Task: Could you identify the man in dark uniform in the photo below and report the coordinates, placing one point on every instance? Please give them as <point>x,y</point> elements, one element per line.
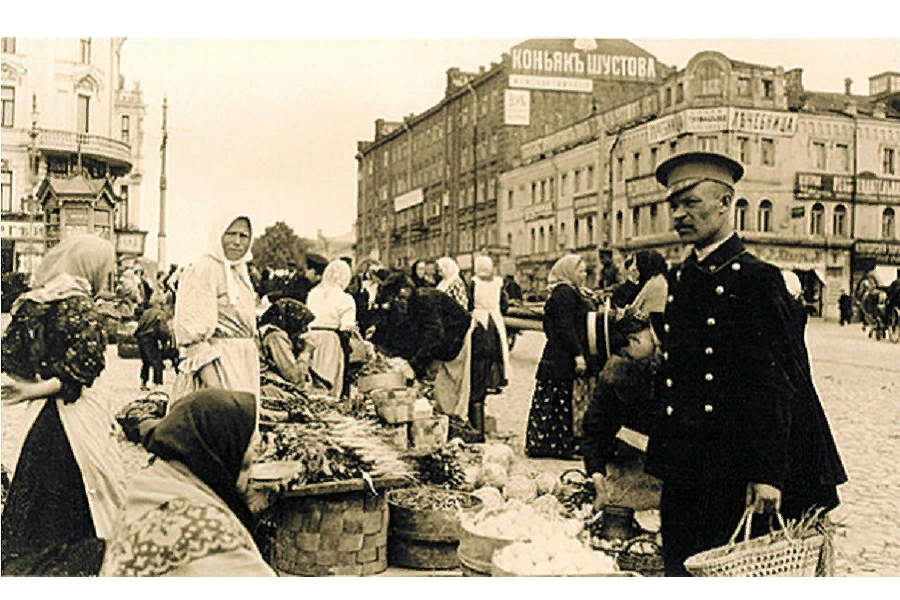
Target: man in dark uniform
<point>739,422</point>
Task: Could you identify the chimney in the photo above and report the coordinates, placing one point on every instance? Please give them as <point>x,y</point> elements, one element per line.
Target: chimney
<point>850,107</point>
<point>879,111</point>
<point>848,84</point>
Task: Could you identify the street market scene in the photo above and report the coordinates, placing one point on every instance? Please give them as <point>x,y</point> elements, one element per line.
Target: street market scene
<point>600,307</point>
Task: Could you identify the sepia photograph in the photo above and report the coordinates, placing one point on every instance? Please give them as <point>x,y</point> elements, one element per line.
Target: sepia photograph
<point>386,300</point>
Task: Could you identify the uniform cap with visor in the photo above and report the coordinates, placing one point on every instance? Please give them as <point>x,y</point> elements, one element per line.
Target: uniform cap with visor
<point>683,171</point>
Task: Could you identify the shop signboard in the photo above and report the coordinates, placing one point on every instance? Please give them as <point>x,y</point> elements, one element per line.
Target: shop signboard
<point>19,230</point>
<point>517,107</point>
<point>130,242</point>
<point>798,212</point>
<point>642,186</point>
<point>884,252</point>
<point>591,59</point>
<point>764,122</point>
<point>559,84</point>
<point>408,199</point>
<point>826,186</point>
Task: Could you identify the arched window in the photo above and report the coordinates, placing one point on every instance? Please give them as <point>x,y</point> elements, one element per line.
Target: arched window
<point>888,227</point>
<point>708,78</point>
<point>551,239</point>
<point>839,222</point>
<point>575,239</point>
<point>620,226</point>
<point>542,242</point>
<point>816,216</point>
<point>636,221</point>
<point>740,214</point>
<point>509,241</point>
<point>764,218</point>
<point>533,242</point>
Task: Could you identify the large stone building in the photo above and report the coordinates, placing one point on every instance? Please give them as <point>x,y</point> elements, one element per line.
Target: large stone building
<point>820,194</point>
<point>428,186</point>
<point>71,147</point>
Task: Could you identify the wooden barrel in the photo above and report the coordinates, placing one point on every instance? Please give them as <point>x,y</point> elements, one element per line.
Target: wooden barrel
<point>476,552</point>
<point>425,539</point>
<point>332,534</point>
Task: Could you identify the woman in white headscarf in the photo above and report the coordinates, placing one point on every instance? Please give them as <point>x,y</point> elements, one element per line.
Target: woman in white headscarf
<point>215,315</point>
<point>67,485</point>
<point>335,315</point>
<point>549,433</point>
<point>451,283</point>
<point>488,303</point>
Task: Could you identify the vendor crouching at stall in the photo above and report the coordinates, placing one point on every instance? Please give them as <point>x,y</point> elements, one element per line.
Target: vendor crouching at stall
<point>434,333</point>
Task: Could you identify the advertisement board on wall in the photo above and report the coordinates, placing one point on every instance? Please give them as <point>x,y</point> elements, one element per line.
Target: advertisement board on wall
<point>829,186</point>
<point>517,107</point>
<point>559,84</point>
<point>408,199</point>
<point>592,59</point>
<point>694,120</point>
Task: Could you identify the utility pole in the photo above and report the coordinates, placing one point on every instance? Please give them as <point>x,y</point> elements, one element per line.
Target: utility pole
<point>34,164</point>
<point>474,171</point>
<point>161,236</point>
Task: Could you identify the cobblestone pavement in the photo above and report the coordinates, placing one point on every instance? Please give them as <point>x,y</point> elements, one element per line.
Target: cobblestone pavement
<point>858,380</point>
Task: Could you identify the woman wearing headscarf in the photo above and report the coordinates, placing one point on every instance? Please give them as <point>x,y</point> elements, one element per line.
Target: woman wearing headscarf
<point>651,269</point>
<point>549,432</point>
<point>186,513</point>
<point>67,486</point>
<point>215,315</point>
<point>451,283</point>
<point>335,319</point>
<point>281,329</point>
<point>421,274</point>
<point>488,303</point>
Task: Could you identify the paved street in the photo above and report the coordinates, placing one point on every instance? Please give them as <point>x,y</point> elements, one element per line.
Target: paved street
<point>858,379</point>
<point>859,382</point>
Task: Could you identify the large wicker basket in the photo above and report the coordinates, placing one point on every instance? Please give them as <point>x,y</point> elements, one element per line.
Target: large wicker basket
<point>770,555</point>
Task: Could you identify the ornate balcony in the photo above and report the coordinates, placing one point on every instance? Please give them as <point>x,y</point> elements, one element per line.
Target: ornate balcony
<point>116,152</point>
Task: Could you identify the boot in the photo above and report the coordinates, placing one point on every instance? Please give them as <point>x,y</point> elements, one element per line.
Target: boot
<point>476,419</point>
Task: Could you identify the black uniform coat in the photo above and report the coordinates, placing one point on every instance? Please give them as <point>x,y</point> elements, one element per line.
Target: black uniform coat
<point>737,402</point>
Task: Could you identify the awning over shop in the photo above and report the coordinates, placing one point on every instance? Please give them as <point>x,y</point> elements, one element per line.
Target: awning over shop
<point>820,274</point>
<point>885,274</point>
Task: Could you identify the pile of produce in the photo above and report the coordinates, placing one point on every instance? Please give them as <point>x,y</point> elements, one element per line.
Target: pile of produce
<point>516,520</point>
<point>444,467</point>
<point>553,555</point>
<point>336,448</point>
<point>432,499</point>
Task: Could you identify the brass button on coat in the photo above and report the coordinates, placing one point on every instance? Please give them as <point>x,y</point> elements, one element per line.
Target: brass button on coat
<point>720,290</point>
<point>710,321</point>
<point>708,377</point>
<point>708,350</point>
<point>708,408</point>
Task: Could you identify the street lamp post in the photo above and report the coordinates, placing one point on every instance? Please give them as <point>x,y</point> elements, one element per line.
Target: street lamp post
<point>474,170</point>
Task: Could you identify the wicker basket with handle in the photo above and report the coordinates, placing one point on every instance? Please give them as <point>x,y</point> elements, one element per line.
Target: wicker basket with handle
<point>772,555</point>
<point>649,563</point>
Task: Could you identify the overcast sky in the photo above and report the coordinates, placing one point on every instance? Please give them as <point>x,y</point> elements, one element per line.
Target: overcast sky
<point>270,126</point>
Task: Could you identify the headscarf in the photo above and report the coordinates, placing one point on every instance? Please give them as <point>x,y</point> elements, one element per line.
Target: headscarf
<point>289,315</point>
<point>565,270</point>
<point>78,266</point>
<point>337,274</point>
<point>234,269</point>
<point>484,267</point>
<point>209,432</point>
<point>418,280</point>
<point>449,273</point>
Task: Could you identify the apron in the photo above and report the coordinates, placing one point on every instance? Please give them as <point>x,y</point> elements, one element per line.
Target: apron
<point>452,384</point>
<point>486,301</point>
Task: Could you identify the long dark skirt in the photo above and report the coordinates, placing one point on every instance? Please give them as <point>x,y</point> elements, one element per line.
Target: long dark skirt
<point>497,378</point>
<point>549,433</point>
<point>47,506</point>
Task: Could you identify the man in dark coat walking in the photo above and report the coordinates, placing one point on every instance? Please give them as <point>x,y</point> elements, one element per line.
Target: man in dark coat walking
<point>845,304</point>
<point>740,423</point>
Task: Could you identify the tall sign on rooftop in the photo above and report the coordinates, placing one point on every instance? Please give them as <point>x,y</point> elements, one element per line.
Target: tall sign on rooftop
<point>575,64</point>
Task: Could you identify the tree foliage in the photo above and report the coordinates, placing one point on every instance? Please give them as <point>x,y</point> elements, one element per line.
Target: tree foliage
<point>278,247</point>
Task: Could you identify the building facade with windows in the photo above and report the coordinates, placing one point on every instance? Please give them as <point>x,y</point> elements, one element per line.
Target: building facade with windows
<point>819,194</point>
<point>72,133</point>
<point>429,184</point>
